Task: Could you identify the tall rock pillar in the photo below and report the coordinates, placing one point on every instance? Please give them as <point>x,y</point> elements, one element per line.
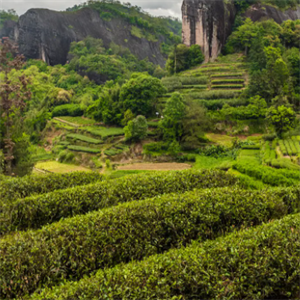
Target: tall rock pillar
<point>207,23</point>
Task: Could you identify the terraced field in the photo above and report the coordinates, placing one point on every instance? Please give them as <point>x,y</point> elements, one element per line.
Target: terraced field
<point>212,84</point>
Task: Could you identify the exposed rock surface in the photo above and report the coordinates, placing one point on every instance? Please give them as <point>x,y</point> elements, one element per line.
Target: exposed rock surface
<point>264,12</point>
<point>207,23</point>
<point>45,34</point>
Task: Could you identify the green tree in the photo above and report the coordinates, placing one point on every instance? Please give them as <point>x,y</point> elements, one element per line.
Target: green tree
<point>128,116</point>
<point>140,94</point>
<point>194,124</point>
<point>183,58</point>
<point>173,116</point>
<point>136,129</point>
<point>283,118</point>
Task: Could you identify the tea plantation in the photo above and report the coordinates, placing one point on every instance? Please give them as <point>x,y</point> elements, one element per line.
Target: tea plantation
<point>206,234</point>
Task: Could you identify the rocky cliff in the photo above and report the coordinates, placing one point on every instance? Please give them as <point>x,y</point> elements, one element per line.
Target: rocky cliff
<point>45,34</point>
<point>208,23</point>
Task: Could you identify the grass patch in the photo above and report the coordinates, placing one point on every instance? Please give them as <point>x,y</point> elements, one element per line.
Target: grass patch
<point>56,167</point>
<point>83,138</point>
<point>83,149</point>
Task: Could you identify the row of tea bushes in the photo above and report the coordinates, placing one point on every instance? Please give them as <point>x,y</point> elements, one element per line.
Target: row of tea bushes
<point>268,175</point>
<point>36,211</point>
<point>257,263</point>
<point>78,246</point>
<point>14,188</point>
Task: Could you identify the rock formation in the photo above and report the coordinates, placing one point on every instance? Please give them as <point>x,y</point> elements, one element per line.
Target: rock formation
<point>45,34</point>
<point>207,23</point>
<point>260,12</point>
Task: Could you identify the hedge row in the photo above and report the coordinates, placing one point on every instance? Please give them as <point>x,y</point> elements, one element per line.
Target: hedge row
<point>83,138</point>
<point>34,212</point>
<point>213,95</point>
<point>257,263</point>
<point>14,188</point>
<point>83,149</point>
<point>220,81</point>
<point>228,86</point>
<point>219,103</point>
<point>72,110</point>
<point>227,75</point>
<point>81,245</point>
<point>284,163</point>
<point>200,87</point>
<point>268,175</point>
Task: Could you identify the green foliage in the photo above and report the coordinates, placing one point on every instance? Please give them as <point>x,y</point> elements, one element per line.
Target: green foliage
<point>284,163</point>
<point>90,57</point>
<point>140,94</point>
<point>34,212</point>
<point>7,15</point>
<point>66,157</point>
<point>83,138</point>
<point>173,116</point>
<point>12,189</point>
<point>83,149</point>
<point>175,216</point>
<point>203,269</point>
<point>73,110</point>
<point>128,116</point>
<point>227,86</point>
<point>255,110</point>
<point>136,129</point>
<point>283,118</point>
<point>184,57</point>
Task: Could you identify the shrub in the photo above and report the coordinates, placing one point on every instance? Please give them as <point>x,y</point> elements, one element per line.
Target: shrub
<point>227,75</point>
<point>72,110</point>
<point>14,188</point>
<point>257,263</point>
<point>83,149</point>
<point>284,163</point>
<point>134,229</point>
<point>34,212</point>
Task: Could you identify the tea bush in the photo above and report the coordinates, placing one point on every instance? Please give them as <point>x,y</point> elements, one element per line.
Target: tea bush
<point>131,231</point>
<point>15,188</point>
<point>257,263</point>
<point>34,212</point>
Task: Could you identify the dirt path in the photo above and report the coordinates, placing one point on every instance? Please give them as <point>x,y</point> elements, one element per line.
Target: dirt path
<point>155,166</point>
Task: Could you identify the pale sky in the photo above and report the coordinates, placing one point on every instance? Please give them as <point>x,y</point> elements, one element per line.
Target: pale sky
<point>154,7</point>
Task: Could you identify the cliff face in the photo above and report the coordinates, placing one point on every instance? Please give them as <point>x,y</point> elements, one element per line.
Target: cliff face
<point>207,23</point>
<point>45,34</point>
